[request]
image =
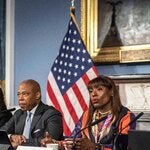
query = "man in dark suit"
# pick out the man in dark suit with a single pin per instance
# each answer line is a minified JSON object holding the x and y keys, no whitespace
{"x":43,"y":118}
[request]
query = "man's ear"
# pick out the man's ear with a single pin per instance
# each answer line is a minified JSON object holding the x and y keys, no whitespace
{"x":38,"y":95}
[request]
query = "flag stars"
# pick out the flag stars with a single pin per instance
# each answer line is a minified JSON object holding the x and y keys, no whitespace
{"x":65,"y":38}
{"x":68,"y":39}
{"x":67,"y":48}
{"x":82,"y":67}
{"x":70,"y":22}
{"x":64,"y":46}
{"x":62,"y":54}
{"x":72,"y":48}
{"x":56,"y":61}
{"x":75,"y":74}
{"x":70,"y":31}
{"x":54,"y":68}
{"x":70,"y":64}
{"x":77,"y":58}
{"x":65,"y":71}
{"x":65,"y":64}
{"x":74,"y":32}
{"x":83,"y":59}
{"x":66,"y":56}
{"x":74,"y":41}
{"x":58,"y":78}
{"x":76,"y":66}
{"x":63,"y":79}
{"x":84,"y":51}
{"x":69,"y":73}
{"x":62,"y":87}
{"x":79,"y":41}
{"x":68,"y":80}
{"x":59,"y":70}
{"x":78,"y":50}
{"x":61,"y":62}
{"x":89,"y":60}
{"x":71,"y":57}
{"x":72,"y":60}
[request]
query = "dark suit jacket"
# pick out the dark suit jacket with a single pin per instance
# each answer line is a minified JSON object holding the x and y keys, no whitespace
{"x":4,"y":117}
{"x":46,"y":118}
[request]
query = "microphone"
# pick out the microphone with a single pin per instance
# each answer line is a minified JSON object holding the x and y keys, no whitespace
{"x":96,"y":122}
{"x":8,"y":110}
{"x":130,"y":123}
{"x":90,"y":125}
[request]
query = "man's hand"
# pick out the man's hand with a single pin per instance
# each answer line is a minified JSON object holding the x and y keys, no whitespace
{"x":17,"y":140}
{"x":47,"y":139}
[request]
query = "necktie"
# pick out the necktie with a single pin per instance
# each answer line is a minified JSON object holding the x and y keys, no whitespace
{"x":27,"y":125}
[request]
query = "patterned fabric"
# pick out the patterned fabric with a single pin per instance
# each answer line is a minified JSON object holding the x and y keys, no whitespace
{"x":96,"y":128}
{"x":101,"y":129}
{"x":107,"y":122}
{"x":126,"y":117}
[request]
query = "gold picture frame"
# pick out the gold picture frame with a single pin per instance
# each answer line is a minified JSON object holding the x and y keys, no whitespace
{"x":114,"y":54}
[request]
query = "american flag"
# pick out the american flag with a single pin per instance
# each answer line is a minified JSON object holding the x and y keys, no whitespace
{"x":69,"y":76}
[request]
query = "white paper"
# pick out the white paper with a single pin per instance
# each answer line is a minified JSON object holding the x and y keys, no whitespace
{"x":33,"y":148}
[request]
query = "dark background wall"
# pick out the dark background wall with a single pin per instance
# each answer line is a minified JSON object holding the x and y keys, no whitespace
{"x":40,"y":26}
{"x":2,"y":39}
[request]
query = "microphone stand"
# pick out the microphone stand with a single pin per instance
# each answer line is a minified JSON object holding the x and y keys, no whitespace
{"x":8,"y":110}
{"x":115,"y":141}
{"x":90,"y":125}
{"x":116,"y":137}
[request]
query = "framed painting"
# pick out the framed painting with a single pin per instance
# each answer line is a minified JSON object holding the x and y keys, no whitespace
{"x":116,"y":31}
{"x":134,"y":91}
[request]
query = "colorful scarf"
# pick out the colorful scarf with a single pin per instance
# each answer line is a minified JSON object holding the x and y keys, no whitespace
{"x":101,"y":129}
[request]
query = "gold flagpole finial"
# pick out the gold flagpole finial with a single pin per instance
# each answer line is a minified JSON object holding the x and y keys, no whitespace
{"x":72,"y":8}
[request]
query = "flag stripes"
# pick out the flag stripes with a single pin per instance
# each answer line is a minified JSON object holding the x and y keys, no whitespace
{"x":66,"y":104}
{"x":67,"y":83}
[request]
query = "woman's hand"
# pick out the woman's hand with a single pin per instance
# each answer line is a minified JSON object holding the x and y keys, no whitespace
{"x":68,"y":143}
{"x":85,"y":144}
